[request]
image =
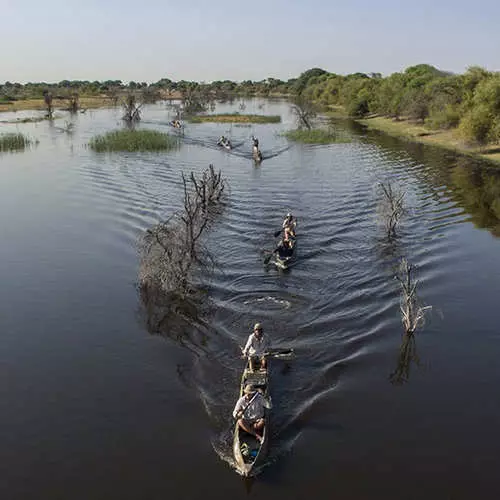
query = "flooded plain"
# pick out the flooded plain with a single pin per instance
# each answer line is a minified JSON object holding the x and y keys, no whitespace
{"x":100,"y":402}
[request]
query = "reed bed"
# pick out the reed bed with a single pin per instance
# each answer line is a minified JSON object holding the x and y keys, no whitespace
{"x":133,"y":140}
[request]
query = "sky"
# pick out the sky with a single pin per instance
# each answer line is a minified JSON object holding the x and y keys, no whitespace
{"x":207,"y":40}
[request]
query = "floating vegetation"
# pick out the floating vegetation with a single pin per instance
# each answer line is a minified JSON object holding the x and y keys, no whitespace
{"x":133,"y":140}
{"x":316,"y":136}
{"x":13,"y":142}
{"x":235,"y":118}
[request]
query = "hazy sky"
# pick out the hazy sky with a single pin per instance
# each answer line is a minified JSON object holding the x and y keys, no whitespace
{"x":53,"y":40}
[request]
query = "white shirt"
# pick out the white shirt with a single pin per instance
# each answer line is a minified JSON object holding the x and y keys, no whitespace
{"x":255,"y":409}
{"x":255,"y":346}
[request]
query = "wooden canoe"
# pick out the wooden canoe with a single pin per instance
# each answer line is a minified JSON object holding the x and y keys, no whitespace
{"x":249,"y":454}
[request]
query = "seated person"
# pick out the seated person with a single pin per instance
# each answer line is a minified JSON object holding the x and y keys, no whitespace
{"x":285,"y":247}
{"x":256,"y":347}
{"x":249,"y":411}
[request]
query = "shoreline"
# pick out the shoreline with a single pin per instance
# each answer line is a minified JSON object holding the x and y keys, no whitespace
{"x":406,"y":130}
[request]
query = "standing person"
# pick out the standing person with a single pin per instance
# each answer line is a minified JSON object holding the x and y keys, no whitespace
{"x":249,"y":411}
{"x":256,"y":346}
{"x":290,"y":223}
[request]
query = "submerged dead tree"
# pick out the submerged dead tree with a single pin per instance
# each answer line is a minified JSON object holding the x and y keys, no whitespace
{"x":47,"y":97}
{"x":412,"y":311}
{"x":73,"y":102}
{"x":172,"y":248}
{"x":304,"y":110}
{"x":391,"y":208}
{"x":131,"y":109}
{"x":413,"y":317}
{"x":172,"y":251}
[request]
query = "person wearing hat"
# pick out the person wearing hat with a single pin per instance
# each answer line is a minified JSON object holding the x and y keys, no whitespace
{"x":249,"y":411}
{"x":289,"y":224}
{"x":256,"y":347}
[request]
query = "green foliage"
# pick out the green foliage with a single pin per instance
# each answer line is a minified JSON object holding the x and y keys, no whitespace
{"x":133,"y":140}
{"x":13,"y":142}
{"x":303,"y":80}
{"x":316,"y":136}
{"x":475,"y":126}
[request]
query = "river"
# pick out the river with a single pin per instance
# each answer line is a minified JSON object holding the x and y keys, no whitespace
{"x":97,"y":403}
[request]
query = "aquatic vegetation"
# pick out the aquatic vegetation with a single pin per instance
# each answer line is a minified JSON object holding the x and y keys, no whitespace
{"x":316,"y":136}
{"x":13,"y":142}
{"x":235,"y":118}
{"x":133,"y":140}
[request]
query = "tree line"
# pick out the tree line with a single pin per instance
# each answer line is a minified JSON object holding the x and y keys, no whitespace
{"x":469,"y":102}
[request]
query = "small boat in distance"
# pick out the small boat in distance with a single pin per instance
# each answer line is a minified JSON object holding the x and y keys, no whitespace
{"x":249,"y":454}
{"x":225,"y":143}
{"x":175,"y":124}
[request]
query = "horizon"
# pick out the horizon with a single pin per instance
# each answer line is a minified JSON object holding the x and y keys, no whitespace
{"x":194,"y":42}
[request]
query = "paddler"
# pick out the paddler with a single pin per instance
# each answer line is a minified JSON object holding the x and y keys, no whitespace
{"x":249,"y":411}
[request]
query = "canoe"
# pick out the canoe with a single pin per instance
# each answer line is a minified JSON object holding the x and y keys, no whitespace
{"x":249,"y":454}
{"x":285,"y":262}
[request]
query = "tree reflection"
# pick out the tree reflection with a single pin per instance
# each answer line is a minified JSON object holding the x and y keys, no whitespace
{"x":478,"y":191}
{"x":407,"y":356}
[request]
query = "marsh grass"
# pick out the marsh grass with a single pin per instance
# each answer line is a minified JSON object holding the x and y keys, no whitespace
{"x":316,"y":136}
{"x":133,"y":140}
{"x":235,"y":118}
{"x":13,"y":142}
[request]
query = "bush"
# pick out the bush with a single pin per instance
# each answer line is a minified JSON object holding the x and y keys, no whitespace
{"x":476,"y":125}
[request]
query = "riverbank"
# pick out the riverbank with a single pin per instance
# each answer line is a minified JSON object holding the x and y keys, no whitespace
{"x":447,"y":139}
{"x":407,"y":130}
{"x":59,"y":104}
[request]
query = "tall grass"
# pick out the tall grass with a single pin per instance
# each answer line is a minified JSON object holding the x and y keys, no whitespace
{"x":316,"y":136}
{"x":133,"y":140}
{"x":13,"y":142}
{"x":235,"y":118}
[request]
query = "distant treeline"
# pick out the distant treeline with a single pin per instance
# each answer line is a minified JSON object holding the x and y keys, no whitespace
{"x":439,"y":99}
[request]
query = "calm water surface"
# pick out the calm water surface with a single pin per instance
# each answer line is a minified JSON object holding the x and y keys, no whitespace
{"x":99,"y":404}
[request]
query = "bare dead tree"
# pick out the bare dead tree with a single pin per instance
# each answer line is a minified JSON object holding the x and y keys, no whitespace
{"x":413,"y":317}
{"x":113,"y":95}
{"x":171,"y":249}
{"x":412,"y":311}
{"x":304,"y":110}
{"x":73,"y":102}
{"x":131,"y":108}
{"x":47,"y":97}
{"x":391,"y":207}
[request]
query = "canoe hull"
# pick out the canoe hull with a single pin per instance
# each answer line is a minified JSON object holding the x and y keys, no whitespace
{"x":249,"y":455}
